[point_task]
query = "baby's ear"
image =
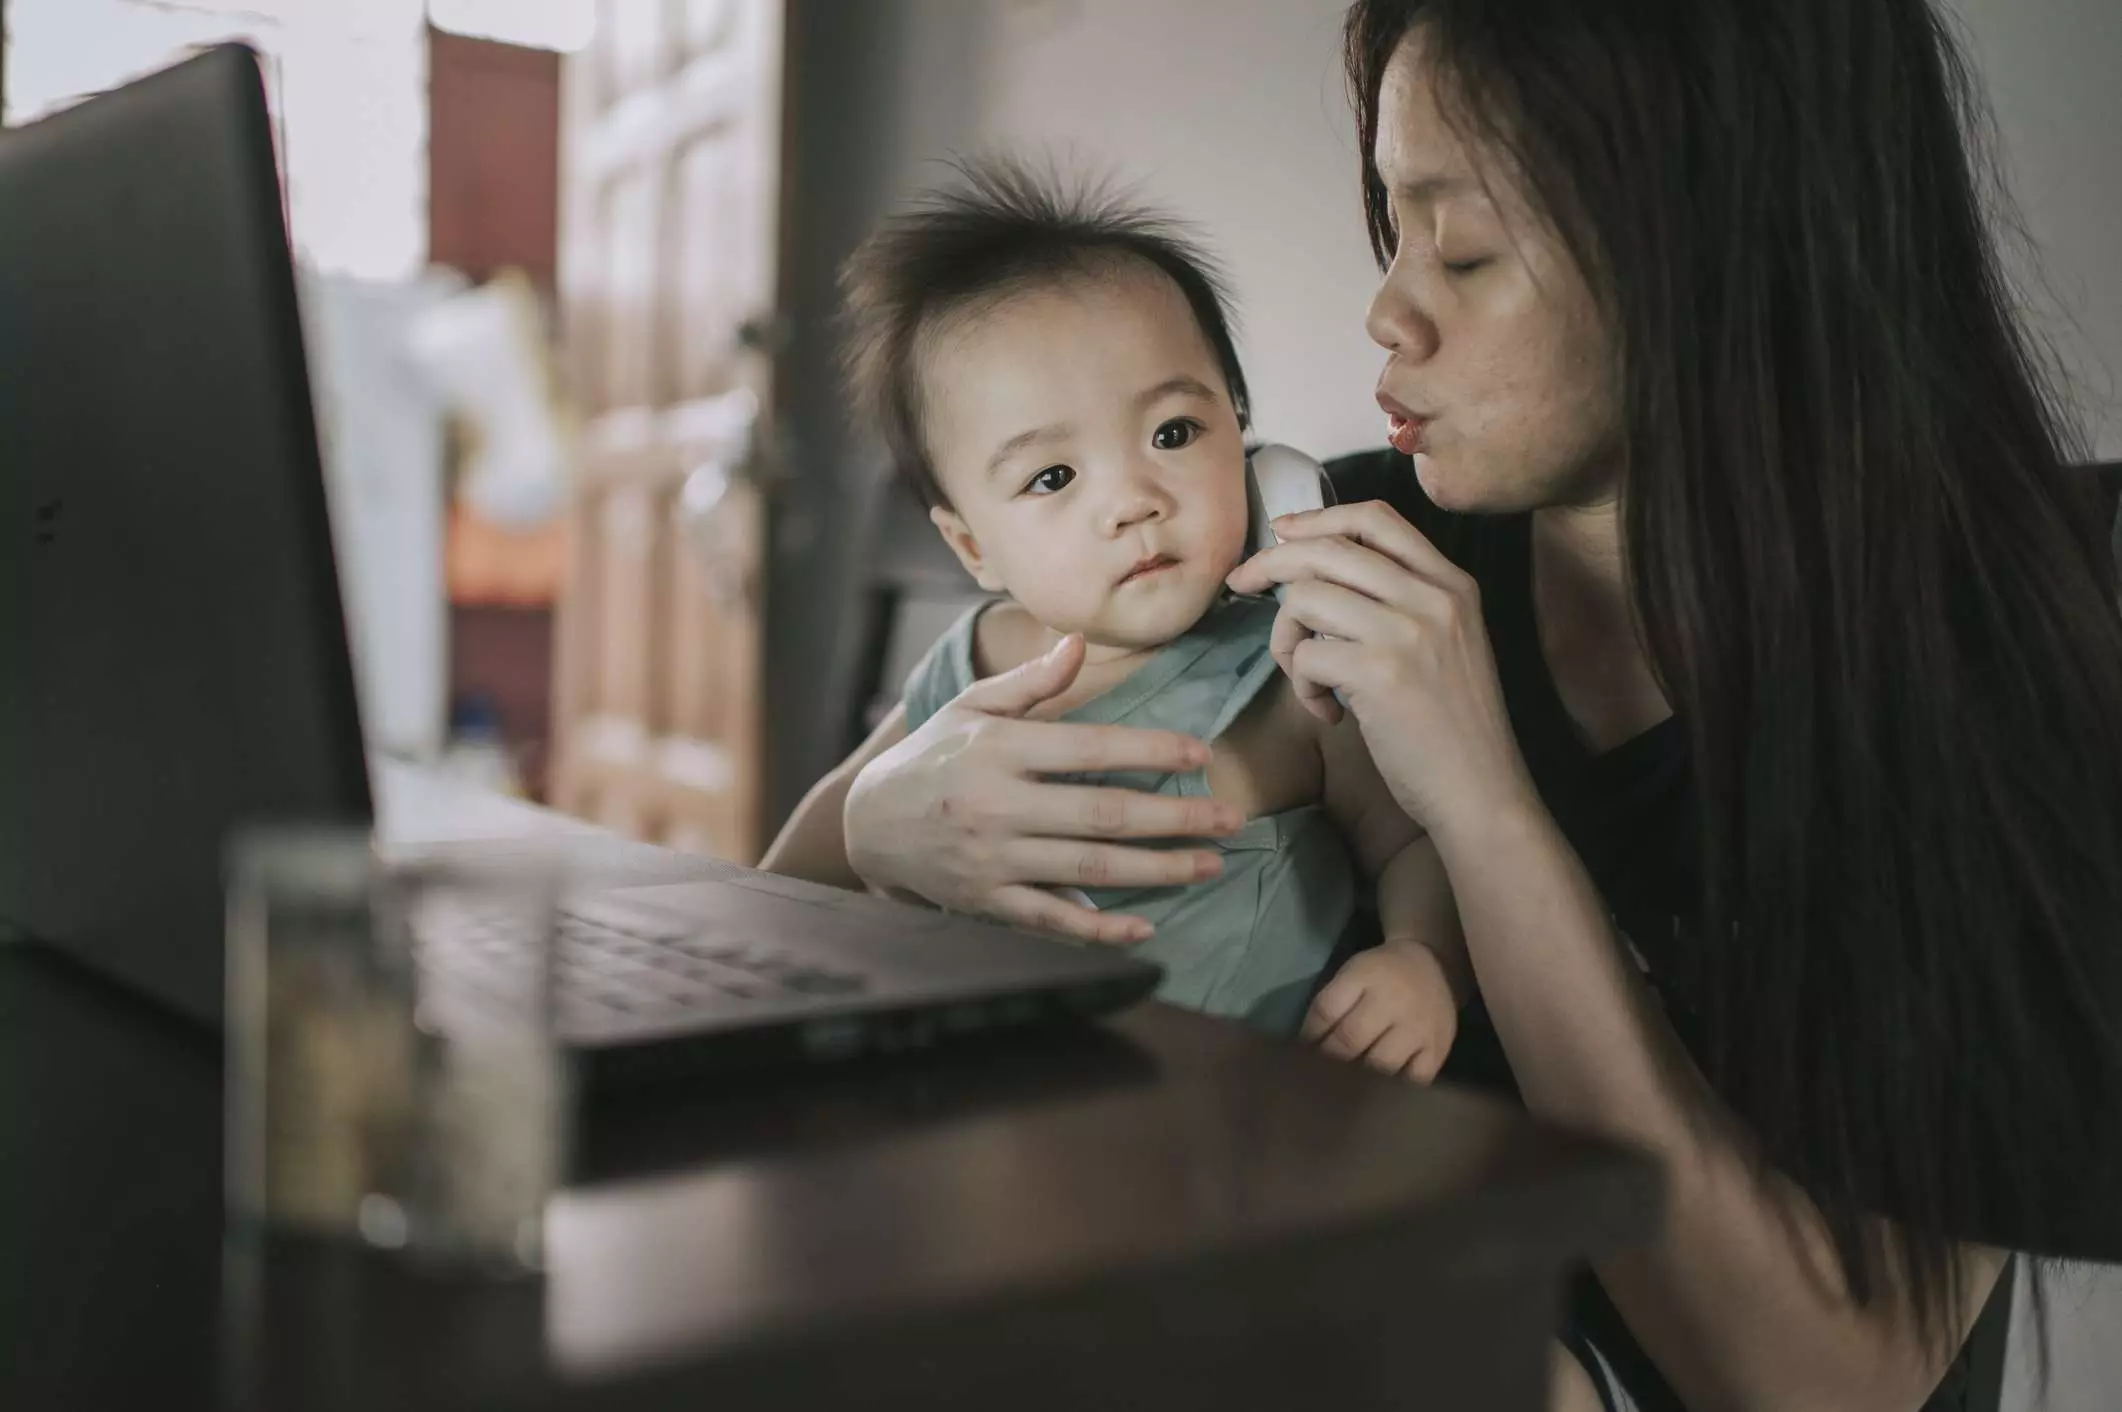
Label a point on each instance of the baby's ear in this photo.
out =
(959, 536)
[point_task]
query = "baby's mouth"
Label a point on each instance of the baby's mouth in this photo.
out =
(1154, 564)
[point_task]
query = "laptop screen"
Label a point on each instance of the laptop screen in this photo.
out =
(173, 658)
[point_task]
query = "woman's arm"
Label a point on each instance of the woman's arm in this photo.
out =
(1740, 1301)
(813, 843)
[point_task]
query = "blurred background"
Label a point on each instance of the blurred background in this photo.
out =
(607, 537)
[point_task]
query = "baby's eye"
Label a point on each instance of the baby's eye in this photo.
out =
(1176, 433)
(1050, 480)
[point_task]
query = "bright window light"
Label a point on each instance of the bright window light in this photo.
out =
(346, 79)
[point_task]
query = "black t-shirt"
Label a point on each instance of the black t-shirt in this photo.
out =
(1630, 814)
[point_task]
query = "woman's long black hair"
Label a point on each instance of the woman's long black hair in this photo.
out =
(1884, 609)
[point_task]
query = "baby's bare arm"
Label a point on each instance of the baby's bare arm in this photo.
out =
(1395, 1007)
(1357, 797)
(1415, 908)
(812, 845)
(1414, 893)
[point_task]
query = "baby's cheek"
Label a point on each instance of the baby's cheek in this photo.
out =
(1069, 599)
(1227, 537)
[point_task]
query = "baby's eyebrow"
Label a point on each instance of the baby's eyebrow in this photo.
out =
(1057, 432)
(1191, 386)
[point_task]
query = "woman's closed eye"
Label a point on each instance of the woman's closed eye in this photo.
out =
(1175, 434)
(1464, 267)
(1050, 480)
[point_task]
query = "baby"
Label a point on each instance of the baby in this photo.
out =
(1055, 374)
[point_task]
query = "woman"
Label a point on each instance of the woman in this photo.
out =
(1738, 638)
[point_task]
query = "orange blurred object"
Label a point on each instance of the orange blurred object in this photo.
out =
(489, 566)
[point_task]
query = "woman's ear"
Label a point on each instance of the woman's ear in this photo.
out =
(959, 536)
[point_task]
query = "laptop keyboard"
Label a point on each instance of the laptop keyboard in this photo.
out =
(603, 966)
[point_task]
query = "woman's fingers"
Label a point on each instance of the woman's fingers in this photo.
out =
(1053, 748)
(1334, 611)
(1352, 567)
(1332, 559)
(1021, 689)
(1378, 526)
(1283, 641)
(963, 812)
(1037, 809)
(1319, 667)
(1069, 862)
(1040, 910)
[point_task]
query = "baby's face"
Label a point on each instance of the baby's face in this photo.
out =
(1093, 460)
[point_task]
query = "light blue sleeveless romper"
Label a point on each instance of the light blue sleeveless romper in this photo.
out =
(1251, 943)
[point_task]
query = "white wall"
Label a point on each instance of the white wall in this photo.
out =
(2054, 73)
(1234, 116)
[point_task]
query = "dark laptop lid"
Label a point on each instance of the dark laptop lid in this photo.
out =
(172, 653)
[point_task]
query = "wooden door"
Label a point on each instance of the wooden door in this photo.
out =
(670, 181)
(493, 158)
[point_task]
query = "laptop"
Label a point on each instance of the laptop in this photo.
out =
(174, 662)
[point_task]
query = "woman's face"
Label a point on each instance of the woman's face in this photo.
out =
(1500, 377)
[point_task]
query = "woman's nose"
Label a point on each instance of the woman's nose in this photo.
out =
(1396, 321)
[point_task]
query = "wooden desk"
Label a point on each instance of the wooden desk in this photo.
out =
(1166, 1212)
